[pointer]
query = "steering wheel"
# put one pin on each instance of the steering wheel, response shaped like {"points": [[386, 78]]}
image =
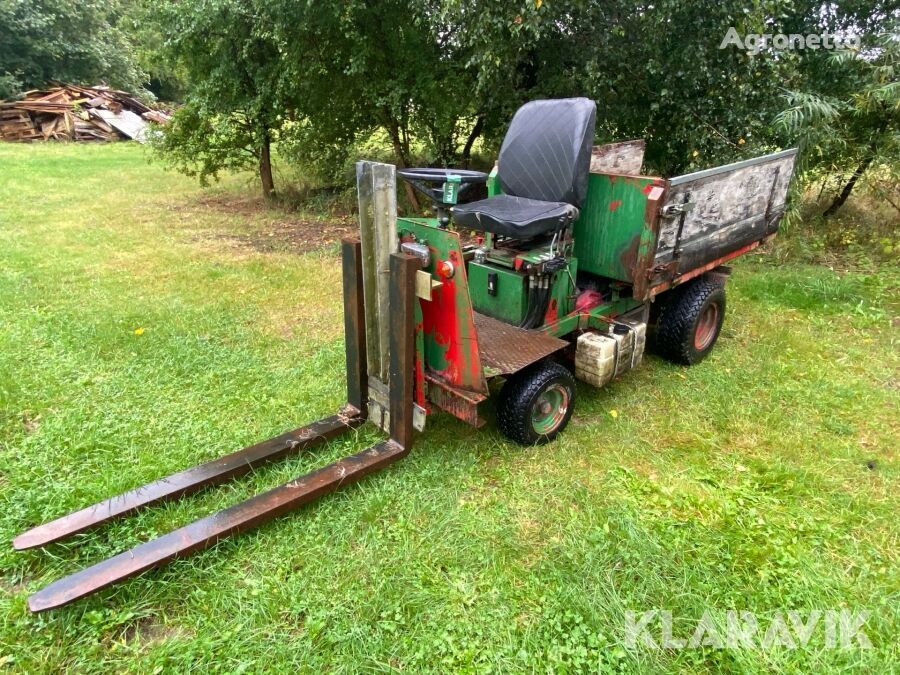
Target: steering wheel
{"points": [[437, 184]]}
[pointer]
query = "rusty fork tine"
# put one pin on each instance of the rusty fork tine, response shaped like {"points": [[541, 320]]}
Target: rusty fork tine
{"points": [[207, 531], [191, 480], [240, 462]]}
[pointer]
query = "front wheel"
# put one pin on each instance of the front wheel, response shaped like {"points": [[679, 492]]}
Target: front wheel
{"points": [[536, 404]]}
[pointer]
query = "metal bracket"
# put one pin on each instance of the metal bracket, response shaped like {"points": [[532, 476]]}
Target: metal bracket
{"points": [[673, 210], [425, 285], [418, 250]]}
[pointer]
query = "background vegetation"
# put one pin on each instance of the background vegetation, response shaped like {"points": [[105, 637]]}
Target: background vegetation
{"points": [[436, 81]]}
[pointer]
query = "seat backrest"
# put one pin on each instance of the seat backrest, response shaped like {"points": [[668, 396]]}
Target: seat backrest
{"points": [[546, 153]]}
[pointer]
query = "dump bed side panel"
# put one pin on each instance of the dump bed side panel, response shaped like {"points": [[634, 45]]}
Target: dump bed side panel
{"points": [[710, 214]]}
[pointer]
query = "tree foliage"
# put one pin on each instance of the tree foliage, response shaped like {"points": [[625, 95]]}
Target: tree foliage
{"points": [[44, 40], [237, 100], [655, 70], [438, 78], [850, 121]]}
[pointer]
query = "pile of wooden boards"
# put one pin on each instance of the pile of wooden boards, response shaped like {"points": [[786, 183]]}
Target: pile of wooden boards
{"points": [[71, 112]]}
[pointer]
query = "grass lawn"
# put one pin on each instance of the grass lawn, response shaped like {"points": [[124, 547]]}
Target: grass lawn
{"points": [[147, 325]]}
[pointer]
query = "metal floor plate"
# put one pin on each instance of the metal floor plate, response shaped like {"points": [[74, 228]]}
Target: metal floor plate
{"points": [[507, 349]]}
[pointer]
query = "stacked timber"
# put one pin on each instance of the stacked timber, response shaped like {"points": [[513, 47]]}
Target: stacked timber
{"points": [[74, 113]]}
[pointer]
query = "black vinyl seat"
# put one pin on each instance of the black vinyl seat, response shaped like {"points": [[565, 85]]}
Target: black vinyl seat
{"points": [[544, 165], [517, 217]]}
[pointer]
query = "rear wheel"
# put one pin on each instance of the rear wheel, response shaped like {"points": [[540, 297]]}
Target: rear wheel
{"points": [[536, 404], [690, 321]]}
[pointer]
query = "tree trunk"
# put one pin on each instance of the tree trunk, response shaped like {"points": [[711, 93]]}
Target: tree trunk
{"points": [[402, 162], [265, 167], [848, 187], [470, 141]]}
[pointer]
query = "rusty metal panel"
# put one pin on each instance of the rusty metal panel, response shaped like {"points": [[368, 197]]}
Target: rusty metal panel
{"points": [[643, 262], [402, 346], [208, 531], [354, 324], [625, 158], [461, 404], [709, 214], [714, 269], [506, 349]]}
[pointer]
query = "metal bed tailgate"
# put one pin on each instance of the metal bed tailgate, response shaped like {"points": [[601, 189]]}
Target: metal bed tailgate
{"points": [[709, 214]]}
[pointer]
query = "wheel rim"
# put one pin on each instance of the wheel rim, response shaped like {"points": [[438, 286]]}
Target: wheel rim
{"points": [[707, 324], [550, 409]]}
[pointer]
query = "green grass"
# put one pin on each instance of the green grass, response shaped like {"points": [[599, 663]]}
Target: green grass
{"points": [[741, 483]]}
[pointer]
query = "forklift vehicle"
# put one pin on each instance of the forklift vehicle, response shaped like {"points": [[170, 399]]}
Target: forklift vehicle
{"points": [[556, 275]]}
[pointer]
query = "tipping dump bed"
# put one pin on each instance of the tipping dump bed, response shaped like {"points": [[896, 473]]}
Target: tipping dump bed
{"points": [[710, 214], [652, 232]]}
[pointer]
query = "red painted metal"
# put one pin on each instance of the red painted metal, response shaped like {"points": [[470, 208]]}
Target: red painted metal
{"points": [[666, 285], [706, 327], [447, 320], [552, 314]]}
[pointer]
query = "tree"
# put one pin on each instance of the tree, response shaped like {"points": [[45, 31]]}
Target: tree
{"points": [[165, 78], [237, 100], [44, 40], [360, 67], [437, 76], [850, 122], [655, 70], [658, 70]]}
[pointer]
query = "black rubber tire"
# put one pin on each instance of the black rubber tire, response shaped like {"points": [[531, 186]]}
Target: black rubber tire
{"points": [[519, 395], [680, 317]]}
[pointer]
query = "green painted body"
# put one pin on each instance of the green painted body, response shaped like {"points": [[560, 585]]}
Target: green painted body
{"points": [[493, 183], [509, 304], [562, 297], [614, 235], [613, 244]]}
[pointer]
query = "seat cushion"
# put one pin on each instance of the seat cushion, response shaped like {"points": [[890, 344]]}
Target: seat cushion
{"points": [[515, 217], [546, 153]]}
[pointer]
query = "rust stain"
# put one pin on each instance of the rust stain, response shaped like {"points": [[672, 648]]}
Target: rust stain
{"points": [[665, 285], [420, 370], [629, 258], [460, 403], [615, 204]]}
